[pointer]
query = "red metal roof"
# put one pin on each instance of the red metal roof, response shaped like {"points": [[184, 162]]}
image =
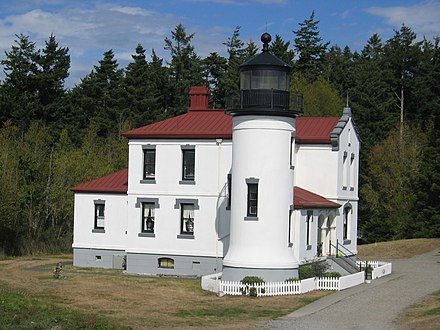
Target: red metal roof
{"points": [[116, 183], [306, 199], [315, 130], [199, 124], [215, 124]]}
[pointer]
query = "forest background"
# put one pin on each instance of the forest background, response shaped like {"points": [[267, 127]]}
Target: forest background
{"points": [[53, 138]]}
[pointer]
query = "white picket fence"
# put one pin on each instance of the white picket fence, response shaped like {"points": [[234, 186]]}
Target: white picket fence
{"points": [[237, 288], [214, 283]]}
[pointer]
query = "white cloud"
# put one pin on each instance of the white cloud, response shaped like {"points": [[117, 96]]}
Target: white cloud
{"points": [[423, 18], [88, 32], [132, 11]]}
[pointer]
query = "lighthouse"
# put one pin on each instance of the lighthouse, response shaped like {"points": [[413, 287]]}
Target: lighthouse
{"points": [[263, 135]]}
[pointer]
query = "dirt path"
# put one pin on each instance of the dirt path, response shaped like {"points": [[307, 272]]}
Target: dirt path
{"points": [[370, 306]]}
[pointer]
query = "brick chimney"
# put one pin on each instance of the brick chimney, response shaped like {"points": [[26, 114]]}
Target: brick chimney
{"points": [[199, 96]]}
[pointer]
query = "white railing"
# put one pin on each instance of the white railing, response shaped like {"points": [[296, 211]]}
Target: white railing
{"points": [[211, 282], [307, 285], [380, 268], [348, 281], [383, 268]]}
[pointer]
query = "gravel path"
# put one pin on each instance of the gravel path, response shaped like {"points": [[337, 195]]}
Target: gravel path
{"points": [[370, 306]]}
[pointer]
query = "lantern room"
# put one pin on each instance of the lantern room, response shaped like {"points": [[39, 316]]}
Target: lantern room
{"points": [[264, 85]]}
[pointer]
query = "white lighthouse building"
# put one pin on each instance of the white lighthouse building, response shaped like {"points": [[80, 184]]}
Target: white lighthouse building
{"points": [[250, 191], [263, 131]]}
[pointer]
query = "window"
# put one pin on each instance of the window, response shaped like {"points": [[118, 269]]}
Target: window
{"points": [[148, 217], [187, 219], [166, 263], [147, 211], [344, 171], [352, 172], [309, 219], [252, 199], [187, 209], [228, 206], [149, 163], [292, 154], [289, 239], [188, 164], [346, 223], [99, 222]]}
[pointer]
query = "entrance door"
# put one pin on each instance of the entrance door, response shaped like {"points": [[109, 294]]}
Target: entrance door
{"points": [[331, 236], [322, 236]]}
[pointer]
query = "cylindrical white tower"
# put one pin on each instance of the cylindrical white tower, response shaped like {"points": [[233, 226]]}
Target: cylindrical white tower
{"points": [[262, 173]]}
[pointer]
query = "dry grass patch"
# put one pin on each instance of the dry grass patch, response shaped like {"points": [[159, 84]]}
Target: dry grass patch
{"points": [[398, 249], [424, 315], [144, 302]]}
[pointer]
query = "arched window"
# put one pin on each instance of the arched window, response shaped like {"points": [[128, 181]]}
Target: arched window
{"points": [[166, 263]]}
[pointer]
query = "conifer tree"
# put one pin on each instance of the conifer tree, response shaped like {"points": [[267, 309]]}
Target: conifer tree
{"points": [[141, 102], [309, 48], [280, 49], [19, 89], [185, 68]]}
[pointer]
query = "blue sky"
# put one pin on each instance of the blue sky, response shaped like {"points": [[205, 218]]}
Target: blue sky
{"points": [[89, 28]]}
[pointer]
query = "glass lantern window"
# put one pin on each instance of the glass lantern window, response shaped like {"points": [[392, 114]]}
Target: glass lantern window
{"points": [[264, 79]]}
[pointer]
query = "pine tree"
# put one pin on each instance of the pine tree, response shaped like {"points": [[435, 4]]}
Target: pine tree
{"points": [[185, 68], [214, 70], [280, 49], [100, 97], [309, 48], [236, 57], [141, 102], [18, 91], [54, 65]]}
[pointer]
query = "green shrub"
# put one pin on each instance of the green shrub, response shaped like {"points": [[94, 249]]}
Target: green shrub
{"points": [[248, 288], [292, 279], [312, 269]]}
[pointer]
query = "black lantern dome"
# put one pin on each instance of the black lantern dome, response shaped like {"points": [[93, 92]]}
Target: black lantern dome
{"points": [[264, 85]]}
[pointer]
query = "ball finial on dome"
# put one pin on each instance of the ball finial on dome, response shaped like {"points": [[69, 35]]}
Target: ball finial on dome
{"points": [[265, 39]]}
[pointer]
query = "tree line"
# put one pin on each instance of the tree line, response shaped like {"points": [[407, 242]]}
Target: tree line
{"points": [[53, 138]]}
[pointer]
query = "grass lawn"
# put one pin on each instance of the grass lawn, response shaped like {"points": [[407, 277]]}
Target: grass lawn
{"points": [[101, 299], [31, 298], [423, 315]]}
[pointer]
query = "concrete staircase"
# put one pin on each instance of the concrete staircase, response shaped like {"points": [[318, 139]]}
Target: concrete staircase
{"points": [[347, 264]]}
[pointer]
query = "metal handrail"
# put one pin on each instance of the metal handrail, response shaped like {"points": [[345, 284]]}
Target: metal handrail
{"points": [[337, 247]]}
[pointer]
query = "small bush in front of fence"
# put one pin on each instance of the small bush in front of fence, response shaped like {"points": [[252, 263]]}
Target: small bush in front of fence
{"points": [[249, 288], [315, 268], [292, 279]]}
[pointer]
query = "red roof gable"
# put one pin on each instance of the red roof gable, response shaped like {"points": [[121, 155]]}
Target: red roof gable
{"points": [[306, 199], [311, 130], [112, 183], [118, 183], [215, 124]]}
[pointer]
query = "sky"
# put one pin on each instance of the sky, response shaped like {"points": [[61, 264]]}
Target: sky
{"points": [[89, 28]]}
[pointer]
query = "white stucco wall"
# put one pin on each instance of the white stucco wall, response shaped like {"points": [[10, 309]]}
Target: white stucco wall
{"points": [[211, 223], [315, 169], [115, 222]]}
